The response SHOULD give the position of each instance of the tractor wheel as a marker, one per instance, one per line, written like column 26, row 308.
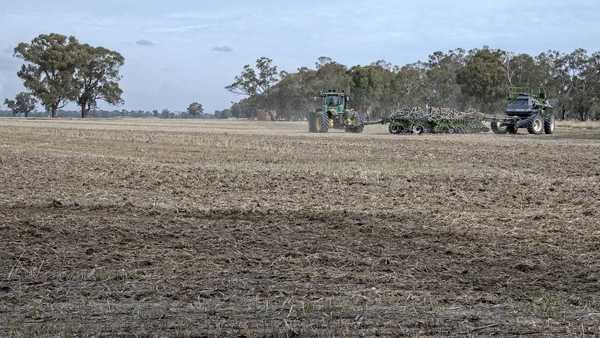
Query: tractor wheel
column 498, row 128
column 536, row 125
column 313, row 120
column 324, row 122
column 549, row 124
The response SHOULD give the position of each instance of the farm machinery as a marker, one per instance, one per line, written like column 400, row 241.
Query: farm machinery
column 434, row 121
column 335, row 114
column 525, row 109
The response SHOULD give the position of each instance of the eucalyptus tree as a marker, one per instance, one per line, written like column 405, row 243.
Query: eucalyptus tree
column 96, row 77
column 59, row 69
column 255, row 82
column 24, row 103
column 484, row 79
column 49, row 69
column 195, row 109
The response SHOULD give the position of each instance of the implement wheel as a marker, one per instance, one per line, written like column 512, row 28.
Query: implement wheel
column 395, row 129
column 536, row 125
column 498, row 128
column 418, row 129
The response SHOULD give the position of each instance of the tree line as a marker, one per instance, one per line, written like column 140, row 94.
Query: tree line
column 58, row 70
column 478, row 79
column 103, row 113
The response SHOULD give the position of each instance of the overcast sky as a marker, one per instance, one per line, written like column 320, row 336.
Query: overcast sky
column 180, row 51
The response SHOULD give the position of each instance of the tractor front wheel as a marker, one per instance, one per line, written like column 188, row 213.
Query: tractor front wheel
column 324, row 123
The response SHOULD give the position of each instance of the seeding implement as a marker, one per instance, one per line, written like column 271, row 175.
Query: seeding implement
column 438, row 121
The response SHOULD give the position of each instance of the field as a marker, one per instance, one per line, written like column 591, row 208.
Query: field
column 250, row 229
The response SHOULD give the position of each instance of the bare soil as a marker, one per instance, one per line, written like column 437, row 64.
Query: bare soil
column 249, row 229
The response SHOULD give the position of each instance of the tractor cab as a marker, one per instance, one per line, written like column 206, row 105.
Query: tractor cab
column 334, row 101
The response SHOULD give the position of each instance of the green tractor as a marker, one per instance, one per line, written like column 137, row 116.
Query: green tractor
column 525, row 109
column 335, row 114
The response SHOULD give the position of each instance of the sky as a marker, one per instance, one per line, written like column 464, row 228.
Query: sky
column 181, row 51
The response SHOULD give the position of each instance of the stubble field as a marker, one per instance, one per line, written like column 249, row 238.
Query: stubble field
column 250, row 229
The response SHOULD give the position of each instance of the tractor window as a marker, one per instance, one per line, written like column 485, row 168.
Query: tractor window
column 333, row 100
column 520, row 104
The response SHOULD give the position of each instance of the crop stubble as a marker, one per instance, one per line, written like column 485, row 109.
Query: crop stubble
column 259, row 229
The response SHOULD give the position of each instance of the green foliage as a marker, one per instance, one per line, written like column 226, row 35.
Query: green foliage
column 583, row 86
column 223, row 114
column 370, row 87
column 442, row 70
column 460, row 80
column 479, row 79
column 484, row 77
column 49, row 69
column 522, row 70
column 166, row 114
column 60, row 69
column 195, row 109
column 331, row 76
column 255, row 80
column 409, row 88
column 97, row 77
column 24, row 103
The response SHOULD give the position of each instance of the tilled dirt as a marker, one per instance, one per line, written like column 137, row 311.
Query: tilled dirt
column 161, row 228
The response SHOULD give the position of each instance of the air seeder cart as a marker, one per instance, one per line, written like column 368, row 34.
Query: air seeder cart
column 525, row 109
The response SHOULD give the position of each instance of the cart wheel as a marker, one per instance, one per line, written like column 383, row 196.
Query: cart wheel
column 498, row 128
column 549, row 124
column 536, row 125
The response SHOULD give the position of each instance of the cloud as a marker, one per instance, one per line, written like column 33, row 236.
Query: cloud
column 222, row 49
column 179, row 29
column 145, row 43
